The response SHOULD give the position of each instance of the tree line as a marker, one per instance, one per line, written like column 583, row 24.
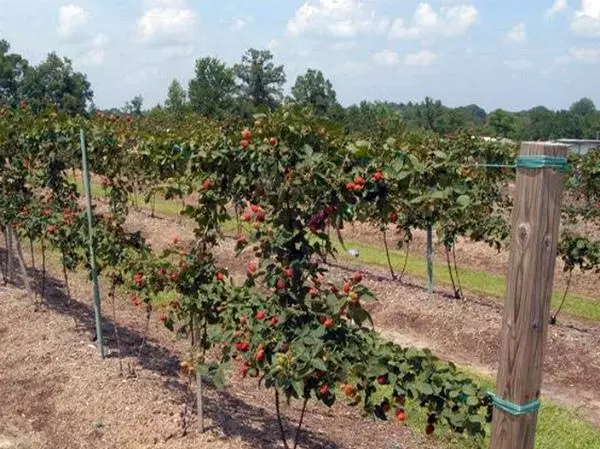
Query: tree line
column 218, row 90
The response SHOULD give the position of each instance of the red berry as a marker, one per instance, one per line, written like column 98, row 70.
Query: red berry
column 359, row 180
column 220, row 277
column 349, row 390
column 275, row 321
column 350, row 186
column 52, row 229
column 174, row 276
column 324, row 390
column 260, row 215
column 393, row 217
column 252, row 268
column 314, row 291
column 347, row 287
column 244, row 144
column 207, row 184
column 329, row 323
column 260, row 355
column 244, row 370
column 135, row 300
column 242, row 346
column 138, row 278
column 289, row 272
column 247, row 216
column 358, row 277
column 273, row 141
column 163, row 318
column 381, row 380
column 378, row 176
column 400, row 415
column 246, row 134
column 281, row 284
column 429, row 429
column 261, row 315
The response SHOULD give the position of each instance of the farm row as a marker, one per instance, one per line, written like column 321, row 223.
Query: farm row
column 289, row 178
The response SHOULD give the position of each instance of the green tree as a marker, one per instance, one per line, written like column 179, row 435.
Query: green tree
column 314, row 90
column 134, row 107
column 583, row 107
column 212, row 90
column 55, row 83
column 502, row 123
column 176, row 97
column 430, row 114
column 12, row 70
column 261, row 80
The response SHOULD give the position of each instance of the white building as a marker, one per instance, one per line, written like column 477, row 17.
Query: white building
column 580, row 146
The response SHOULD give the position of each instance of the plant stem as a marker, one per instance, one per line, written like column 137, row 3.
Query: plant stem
column 555, row 316
column 281, row 429
column 447, row 251
column 9, row 255
column 4, row 262
column 429, row 257
column 22, row 266
column 405, row 261
column 66, row 279
column 387, row 254
column 300, row 423
column 143, row 343
column 111, row 293
column 31, row 252
column 43, row 288
column 460, row 290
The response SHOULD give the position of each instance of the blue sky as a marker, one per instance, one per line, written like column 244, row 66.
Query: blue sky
column 512, row 54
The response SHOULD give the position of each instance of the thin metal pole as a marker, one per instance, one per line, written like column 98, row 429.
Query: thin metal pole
column 88, row 202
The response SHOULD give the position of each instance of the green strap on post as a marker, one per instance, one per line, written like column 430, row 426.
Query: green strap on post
column 533, row 163
column 542, row 161
column 512, row 408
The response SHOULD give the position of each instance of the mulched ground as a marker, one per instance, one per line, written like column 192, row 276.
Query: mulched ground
column 57, row 393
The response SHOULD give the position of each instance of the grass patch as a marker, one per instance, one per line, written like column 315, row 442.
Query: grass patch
column 474, row 281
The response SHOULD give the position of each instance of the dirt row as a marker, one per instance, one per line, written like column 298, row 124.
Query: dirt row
column 58, row 394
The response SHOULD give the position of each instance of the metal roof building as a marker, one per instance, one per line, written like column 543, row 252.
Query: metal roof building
column 580, row 146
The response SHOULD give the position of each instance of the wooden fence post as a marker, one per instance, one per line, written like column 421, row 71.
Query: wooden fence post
column 534, row 239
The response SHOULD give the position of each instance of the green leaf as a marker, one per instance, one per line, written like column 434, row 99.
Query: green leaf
column 319, row 364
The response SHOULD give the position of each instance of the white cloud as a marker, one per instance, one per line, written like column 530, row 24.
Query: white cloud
column 421, row 58
column 71, row 19
column 97, row 53
column 166, row 20
column 517, row 33
column 587, row 55
column 386, row 58
column 273, row 45
column 518, row 64
column 238, row 24
column 586, row 21
column 449, row 21
column 343, row 46
column 558, row 7
column 339, row 18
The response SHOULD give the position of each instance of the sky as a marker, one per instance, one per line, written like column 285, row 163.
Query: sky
column 511, row 54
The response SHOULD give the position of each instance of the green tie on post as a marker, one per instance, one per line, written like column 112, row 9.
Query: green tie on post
column 88, row 202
